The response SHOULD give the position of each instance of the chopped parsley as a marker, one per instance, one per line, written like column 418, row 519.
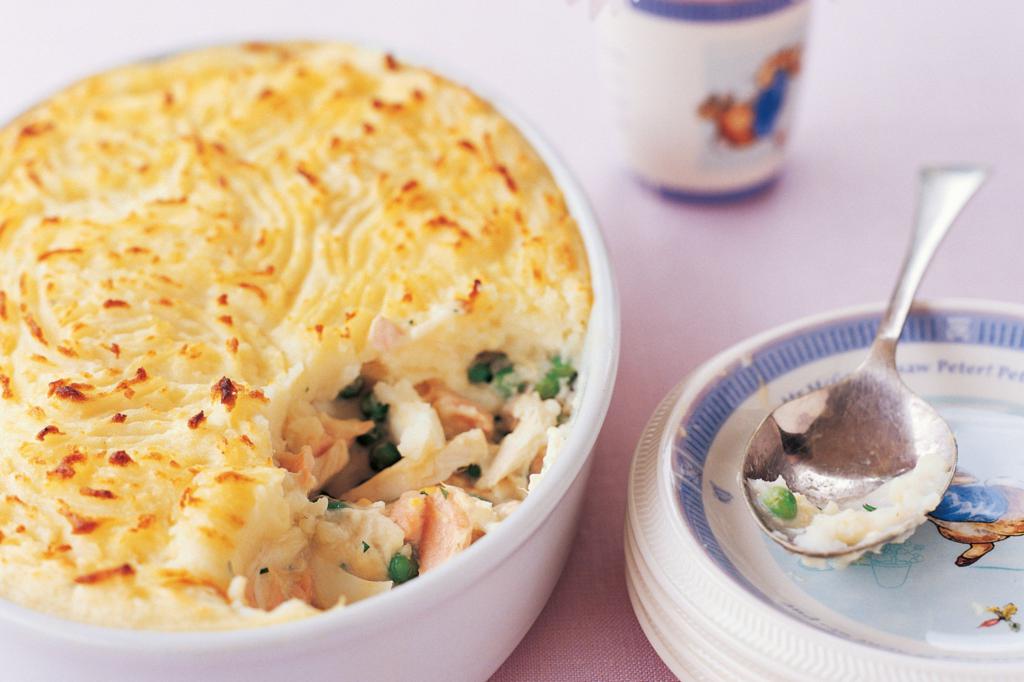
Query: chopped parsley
column 353, row 389
column 264, row 570
column 868, row 507
column 366, row 547
column 473, row 470
column 444, row 491
column 402, row 569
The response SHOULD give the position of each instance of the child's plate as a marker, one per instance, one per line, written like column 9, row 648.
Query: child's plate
column 942, row 605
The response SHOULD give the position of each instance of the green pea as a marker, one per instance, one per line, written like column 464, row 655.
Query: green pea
column 548, row 387
column 480, row 373
column 353, row 389
column 779, row 501
column 561, row 370
column 373, row 408
column 402, row 569
column 372, row 436
column 384, row 455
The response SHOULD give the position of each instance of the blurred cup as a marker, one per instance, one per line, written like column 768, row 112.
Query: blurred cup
column 704, row 90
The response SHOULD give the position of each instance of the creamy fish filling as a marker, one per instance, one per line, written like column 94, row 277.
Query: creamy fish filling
column 392, row 479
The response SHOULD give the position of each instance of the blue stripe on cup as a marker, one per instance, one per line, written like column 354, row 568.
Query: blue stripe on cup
column 711, row 11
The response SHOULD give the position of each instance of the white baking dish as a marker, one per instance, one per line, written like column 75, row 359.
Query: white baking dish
column 458, row 622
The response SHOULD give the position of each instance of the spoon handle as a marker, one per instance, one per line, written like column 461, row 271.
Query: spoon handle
column 944, row 193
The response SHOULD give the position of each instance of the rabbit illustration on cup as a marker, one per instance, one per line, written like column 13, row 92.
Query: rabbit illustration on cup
column 740, row 123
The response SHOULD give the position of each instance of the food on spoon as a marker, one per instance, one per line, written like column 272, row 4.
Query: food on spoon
column 900, row 505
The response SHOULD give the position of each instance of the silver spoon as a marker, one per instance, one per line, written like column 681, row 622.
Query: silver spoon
column 841, row 442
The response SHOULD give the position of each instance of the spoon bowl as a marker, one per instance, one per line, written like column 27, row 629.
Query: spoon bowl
column 839, row 444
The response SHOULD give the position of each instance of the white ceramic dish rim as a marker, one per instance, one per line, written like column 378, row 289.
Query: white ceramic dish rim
column 599, row 365
column 767, row 616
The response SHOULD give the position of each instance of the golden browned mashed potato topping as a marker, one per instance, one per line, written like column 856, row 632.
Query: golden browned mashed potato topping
column 281, row 327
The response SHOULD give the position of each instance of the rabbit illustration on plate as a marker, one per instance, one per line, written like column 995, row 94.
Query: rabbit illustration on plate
column 979, row 514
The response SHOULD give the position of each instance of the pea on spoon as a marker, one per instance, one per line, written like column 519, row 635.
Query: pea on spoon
column 853, row 466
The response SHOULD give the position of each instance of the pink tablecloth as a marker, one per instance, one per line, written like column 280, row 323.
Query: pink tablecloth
column 887, row 86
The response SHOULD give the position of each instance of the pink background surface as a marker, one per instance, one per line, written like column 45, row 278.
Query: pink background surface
column 887, row 87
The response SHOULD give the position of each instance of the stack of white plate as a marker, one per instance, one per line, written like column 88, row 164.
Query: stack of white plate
column 719, row 601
